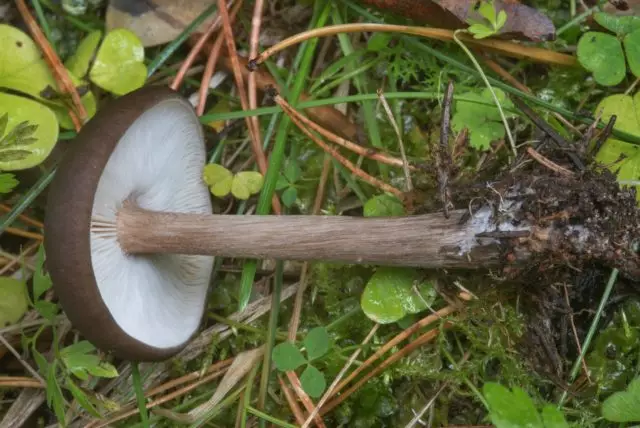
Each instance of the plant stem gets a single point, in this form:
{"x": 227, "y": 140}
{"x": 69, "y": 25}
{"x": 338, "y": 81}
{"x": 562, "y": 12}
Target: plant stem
{"x": 486, "y": 82}
{"x": 269, "y": 418}
{"x": 137, "y": 386}
{"x": 591, "y": 333}
{"x": 271, "y": 335}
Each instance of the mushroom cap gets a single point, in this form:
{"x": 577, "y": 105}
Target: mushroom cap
{"x": 146, "y": 147}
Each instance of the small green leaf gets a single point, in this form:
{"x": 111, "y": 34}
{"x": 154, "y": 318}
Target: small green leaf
{"x": 553, "y": 418}
{"x": 14, "y": 300}
{"x": 502, "y": 19}
{"x": 246, "y": 183}
{"x": 43, "y": 365}
{"x": 79, "y": 62}
{"x": 316, "y": 343}
{"x": 620, "y": 25}
{"x": 480, "y": 31}
{"x": 292, "y": 172}
{"x": 62, "y": 110}
{"x": 602, "y": 55}
{"x": 623, "y": 406}
{"x": 631, "y": 44}
{"x": 21, "y": 151}
{"x": 488, "y": 11}
{"x": 510, "y": 409}
{"x": 81, "y": 347}
{"x": 394, "y": 292}
{"x": 79, "y": 362}
{"x": 82, "y": 398}
{"x": 379, "y": 41}
{"x": 627, "y": 111}
{"x": 8, "y": 182}
{"x": 313, "y": 381}
{"x": 218, "y": 178}
{"x": 119, "y": 66}
{"x": 47, "y": 309}
{"x": 22, "y": 67}
{"x": 55, "y": 399}
{"x": 282, "y": 182}
{"x": 384, "y": 206}
{"x": 290, "y": 196}
{"x": 41, "y": 280}
{"x": 477, "y": 112}
{"x": 286, "y": 356}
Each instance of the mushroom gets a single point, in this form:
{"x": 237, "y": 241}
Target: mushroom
{"x": 131, "y": 237}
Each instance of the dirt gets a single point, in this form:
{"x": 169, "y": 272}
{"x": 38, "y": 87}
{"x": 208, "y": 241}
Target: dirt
{"x": 583, "y": 226}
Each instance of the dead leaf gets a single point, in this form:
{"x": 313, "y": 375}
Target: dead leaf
{"x": 156, "y": 21}
{"x": 523, "y": 22}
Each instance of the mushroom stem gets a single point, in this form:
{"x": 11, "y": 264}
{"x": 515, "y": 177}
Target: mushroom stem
{"x": 429, "y": 240}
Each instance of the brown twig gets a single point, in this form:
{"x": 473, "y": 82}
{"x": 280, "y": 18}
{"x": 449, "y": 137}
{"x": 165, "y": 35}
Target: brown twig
{"x": 194, "y": 376}
{"x": 421, "y": 340}
{"x": 327, "y": 116}
{"x": 123, "y": 414}
{"x": 214, "y": 54}
{"x": 548, "y": 163}
{"x": 261, "y": 159}
{"x": 370, "y": 153}
{"x": 504, "y": 73}
{"x": 212, "y": 59}
{"x": 26, "y": 365}
{"x": 293, "y": 404}
{"x": 396, "y": 340}
{"x": 575, "y": 333}
{"x": 306, "y": 401}
{"x": 22, "y": 255}
{"x": 20, "y": 382}
{"x": 329, "y": 392}
{"x": 24, "y": 234}
{"x": 500, "y": 46}
{"x": 344, "y": 161}
{"x": 59, "y": 71}
{"x": 193, "y": 53}
{"x": 23, "y": 217}
{"x": 542, "y": 125}
{"x": 253, "y": 51}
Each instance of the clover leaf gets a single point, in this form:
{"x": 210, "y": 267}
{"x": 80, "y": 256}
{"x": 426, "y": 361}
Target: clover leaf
{"x": 604, "y": 54}
{"x": 22, "y": 68}
{"x": 316, "y": 343}
{"x": 621, "y": 157}
{"x": 394, "y": 292}
{"x": 287, "y": 356}
{"x": 246, "y": 183}
{"x": 119, "y": 64}
{"x": 80, "y": 61}
{"x": 287, "y": 181}
{"x": 221, "y": 181}
{"x": 313, "y": 381}
{"x": 218, "y": 178}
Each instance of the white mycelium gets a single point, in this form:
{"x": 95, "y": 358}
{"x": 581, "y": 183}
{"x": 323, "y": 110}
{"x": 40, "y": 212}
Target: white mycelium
{"x": 156, "y": 299}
